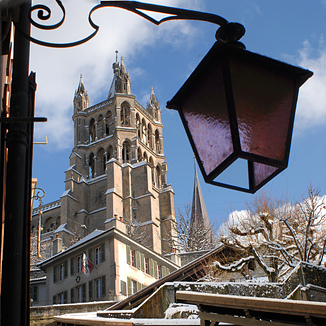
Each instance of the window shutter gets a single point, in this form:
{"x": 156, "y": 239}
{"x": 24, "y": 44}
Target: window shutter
{"x": 138, "y": 259}
{"x": 142, "y": 262}
{"x": 65, "y": 264}
{"x": 103, "y": 286}
{"x": 72, "y": 267}
{"x": 128, "y": 255}
{"x": 54, "y": 299}
{"x": 129, "y": 286}
{"x": 84, "y": 292}
{"x": 138, "y": 286}
{"x": 155, "y": 268}
{"x": 90, "y": 291}
{"x": 102, "y": 252}
{"x": 163, "y": 270}
{"x": 65, "y": 297}
{"x": 72, "y": 295}
{"x": 90, "y": 251}
{"x": 167, "y": 271}
{"x": 55, "y": 272}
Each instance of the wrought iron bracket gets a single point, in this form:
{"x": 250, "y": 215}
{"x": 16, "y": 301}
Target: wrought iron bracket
{"x": 228, "y": 32}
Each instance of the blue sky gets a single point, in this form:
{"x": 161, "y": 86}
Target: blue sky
{"x": 163, "y": 57}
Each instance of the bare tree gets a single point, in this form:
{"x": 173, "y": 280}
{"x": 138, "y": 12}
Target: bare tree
{"x": 278, "y": 236}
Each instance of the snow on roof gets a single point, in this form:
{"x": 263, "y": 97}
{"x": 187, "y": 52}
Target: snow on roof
{"x": 88, "y": 237}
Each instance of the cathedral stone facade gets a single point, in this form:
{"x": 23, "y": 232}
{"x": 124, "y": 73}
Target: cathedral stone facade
{"x": 117, "y": 169}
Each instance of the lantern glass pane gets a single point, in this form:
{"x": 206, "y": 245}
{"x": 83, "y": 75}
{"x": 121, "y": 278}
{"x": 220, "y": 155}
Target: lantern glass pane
{"x": 264, "y": 100}
{"x": 206, "y": 114}
{"x": 262, "y": 172}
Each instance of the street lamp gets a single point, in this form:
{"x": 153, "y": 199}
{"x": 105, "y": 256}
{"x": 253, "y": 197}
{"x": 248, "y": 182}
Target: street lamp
{"x": 236, "y": 105}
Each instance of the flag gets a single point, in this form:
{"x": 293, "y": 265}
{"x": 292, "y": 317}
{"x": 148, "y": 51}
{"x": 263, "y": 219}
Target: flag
{"x": 87, "y": 266}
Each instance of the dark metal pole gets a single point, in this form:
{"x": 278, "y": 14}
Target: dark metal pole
{"x": 15, "y": 270}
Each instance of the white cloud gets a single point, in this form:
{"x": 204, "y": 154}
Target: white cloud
{"x": 58, "y": 70}
{"x": 311, "y": 110}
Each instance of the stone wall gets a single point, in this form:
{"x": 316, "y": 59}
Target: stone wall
{"x": 43, "y": 316}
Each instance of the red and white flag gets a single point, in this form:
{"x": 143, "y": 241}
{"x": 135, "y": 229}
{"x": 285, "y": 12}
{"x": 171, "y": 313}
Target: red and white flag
{"x": 87, "y": 266}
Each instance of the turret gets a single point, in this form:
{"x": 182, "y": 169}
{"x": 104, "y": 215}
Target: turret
{"x": 81, "y": 101}
{"x": 153, "y": 107}
{"x": 121, "y": 81}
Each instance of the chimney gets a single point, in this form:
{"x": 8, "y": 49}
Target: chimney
{"x": 57, "y": 245}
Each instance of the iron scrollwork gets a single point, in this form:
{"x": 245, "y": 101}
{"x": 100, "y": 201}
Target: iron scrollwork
{"x": 44, "y": 14}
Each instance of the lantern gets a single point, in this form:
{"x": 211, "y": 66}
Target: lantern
{"x": 240, "y": 105}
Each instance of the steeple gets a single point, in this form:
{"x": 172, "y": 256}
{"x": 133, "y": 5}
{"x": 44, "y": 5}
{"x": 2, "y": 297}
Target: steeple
{"x": 81, "y": 100}
{"x": 121, "y": 80}
{"x": 153, "y": 107}
{"x": 199, "y": 217}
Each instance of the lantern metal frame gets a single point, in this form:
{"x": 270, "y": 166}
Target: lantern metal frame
{"x": 221, "y": 51}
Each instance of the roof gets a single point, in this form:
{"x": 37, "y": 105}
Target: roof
{"x": 98, "y": 235}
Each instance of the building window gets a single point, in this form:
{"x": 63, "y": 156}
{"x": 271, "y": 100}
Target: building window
{"x": 133, "y": 286}
{"x": 159, "y": 274}
{"x": 97, "y": 255}
{"x": 34, "y": 293}
{"x": 62, "y": 298}
{"x": 79, "y": 264}
{"x": 100, "y": 287}
{"x": 146, "y": 261}
{"x": 61, "y": 271}
{"x": 133, "y": 258}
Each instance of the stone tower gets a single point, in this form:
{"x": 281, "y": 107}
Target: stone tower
{"x": 117, "y": 166}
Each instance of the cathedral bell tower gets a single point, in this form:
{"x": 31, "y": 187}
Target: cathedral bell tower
{"x": 117, "y": 166}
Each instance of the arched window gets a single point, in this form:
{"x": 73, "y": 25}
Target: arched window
{"x": 109, "y": 152}
{"x": 145, "y": 157}
{"x": 92, "y": 133}
{"x": 158, "y": 177}
{"x": 108, "y": 123}
{"x": 157, "y": 142}
{"x": 100, "y": 162}
{"x": 149, "y": 136}
{"x": 151, "y": 164}
{"x": 138, "y": 126}
{"x": 139, "y": 155}
{"x": 100, "y": 127}
{"x": 126, "y": 153}
{"x": 125, "y": 114}
{"x": 91, "y": 166}
{"x": 143, "y": 132}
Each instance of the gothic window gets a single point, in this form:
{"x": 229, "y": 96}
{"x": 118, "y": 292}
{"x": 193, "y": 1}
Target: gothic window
{"x": 109, "y": 153}
{"x": 143, "y": 132}
{"x": 157, "y": 142}
{"x": 151, "y": 164}
{"x": 158, "y": 180}
{"x": 149, "y": 136}
{"x": 145, "y": 157}
{"x": 126, "y": 154}
{"x": 125, "y": 114}
{"x": 100, "y": 162}
{"x": 92, "y": 133}
{"x": 139, "y": 155}
{"x": 100, "y": 127}
{"x": 138, "y": 126}
{"x": 91, "y": 165}
{"x": 108, "y": 123}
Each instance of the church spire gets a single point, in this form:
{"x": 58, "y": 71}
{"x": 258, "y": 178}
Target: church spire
{"x": 121, "y": 80}
{"x": 153, "y": 107}
{"x": 199, "y": 217}
{"x": 81, "y": 100}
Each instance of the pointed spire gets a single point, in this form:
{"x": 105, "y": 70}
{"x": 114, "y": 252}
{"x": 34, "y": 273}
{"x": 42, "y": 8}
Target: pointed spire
{"x": 121, "y": 80}
{"x": 199, "y": 217}
{"x": 81, "y": 86}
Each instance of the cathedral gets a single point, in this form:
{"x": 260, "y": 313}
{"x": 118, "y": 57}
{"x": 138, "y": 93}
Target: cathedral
{"x": 117, "y": 170}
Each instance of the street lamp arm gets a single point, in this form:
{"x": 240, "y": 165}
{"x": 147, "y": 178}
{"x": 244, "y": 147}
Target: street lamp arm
{"x": 228, "y": 32}
{"x": 177, "y": 13}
